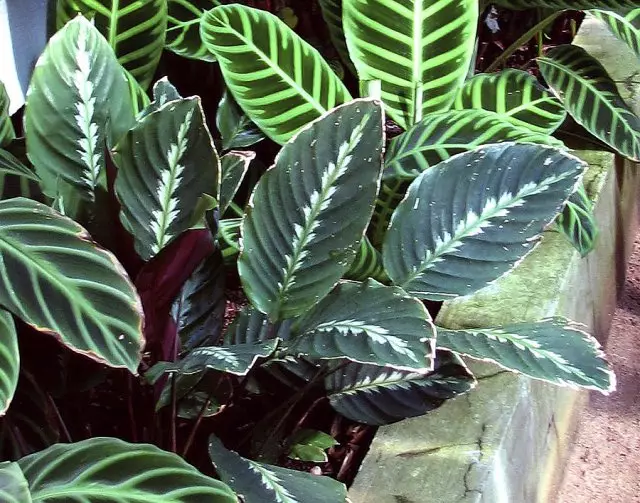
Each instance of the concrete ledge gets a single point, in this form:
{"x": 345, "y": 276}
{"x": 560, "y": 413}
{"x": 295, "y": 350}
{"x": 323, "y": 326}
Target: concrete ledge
{"x": 507, "y": 441}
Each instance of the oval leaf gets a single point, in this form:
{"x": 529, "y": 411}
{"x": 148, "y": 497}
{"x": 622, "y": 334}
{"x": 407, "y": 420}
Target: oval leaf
{"x": 110, "y": 470}
{"x": 183, "y": 28}
{"x": 592, "y": 98}
{"x": 302, "y": 227}
{"x": 470, "y": 219}
{"x": 555, "y": 350}
{"x": 367, "y": 323}
{"x": 251, "y": 326}
{"x": 13, "y": 486}
{"x": 380, "y": 395}
{"x": 420, "y": 50}
{"x": 9, "y": 360}
{"x": 57, "y": 280}
{"x": 296, "y": 85}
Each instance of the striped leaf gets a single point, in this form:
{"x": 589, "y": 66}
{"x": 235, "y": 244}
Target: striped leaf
{"x": 57, "y": 280}
{"x": 302, "y": 228}
{"x": 135, "y": 30}
{"x": 112, "y": 471}
{"x": 234, "y": 166}
{"x": 9, "y": 361}
{"x": 440, "y": 135}
{"x": 391, "y": 192}
{"x": 420, "y": 50}
{"x": 381, "y": 395}
{"x": 555, "y": 350}
{"x": 615, "y": 5}
{"x": 235, "y": 127}
{"x": 251, "y": 327}
{"x": 7, "y": 133}
{"x": 11, "y": 165}
{"x": 290, "y": 84}
{"x": 183, "y": 28}
{"x": 623, "y": 24}
{"x": 159, "y": 183}
{"x": 14, "y": 488}
{"x": 332, "y": 15}
{"x": 470, "y": 219}
{"x": 367, "y": 323}
{"x": 592, "y": 98}
{"x": 229, "y": 238}
{"x": 516, "y": 96}
{"x": 139, "y": 98}
{"x": 578, "y": 223}
{"x": 263, "y": 483}
{"x": 367, "y": 264}
{"x": 77, "y": 88}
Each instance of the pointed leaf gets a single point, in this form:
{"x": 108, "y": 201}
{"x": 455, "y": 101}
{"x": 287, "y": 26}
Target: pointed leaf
{"x": 135, "y": 30}
{"x": 302, "y": 227}
{"x": 183, "y": 28}
{"x": 234, "y": 166}
{"x": 332, "y": 15}
{"x": 578, "y": 223}
{"x": 470, "y": 219}
{"x": 77, "y": 89}
{"x": 380, "y": 395}
{"x": 262, "y": 483}
{"x": 9, "y": 361}
{"x": 13, "y": 486}
{"x": 296, "y": 85}
{"x": 57, "y": 280}
{"x": 592, "y": 98}
{"x": 420, "y": 50}
{"x": 7, "y": 133}
{"x": 624, "y": 24}
{"x": 163, "y": 93}
{"x": 235, "y": 127}
{"x": 438, "y": 136}
{"x": 11, "y": 165}
{"x": 367, "y": 323}
{"x": 555, "y": 350}
{"x": 110, "y": 470}
{"x": 159, "y": 184}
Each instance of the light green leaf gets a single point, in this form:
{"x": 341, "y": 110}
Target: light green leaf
{"x": 235, "y": 127}
{"x": 555, "y": 350}
{"x": 516, "y": 96}
{"x": 77, "y": 89}
{"x": 292, "y": 84}
{"x": 310, "y": 445}
{"x": 13, "y": 486}
{"x": 624, "y": 24}
{"x": 183, "y": 28}
{"x": 380, "y": 395}
{"x": 578, "y": 223}
{"x": 470, "y": 219}
{"x": 615, "y": 5}
{"x": 57, "y": 280}
{"x": 332, "y": 15}
{"x": 234, "y": 166}
{"x": 263, "y": 483}
{"x": 591, "y": 97}
{"x": 135, "y": 30}
{"x": 420, "y": 50}
{"x": 139, "y": 98}
{"x": 112, "y": 471}
{"x": 9, "y": 361}
{"x": 159, "y": 184}
{"x": 303, "y": 226}
{"x": 229, "y": 238}
{"x": 7, "y": 133}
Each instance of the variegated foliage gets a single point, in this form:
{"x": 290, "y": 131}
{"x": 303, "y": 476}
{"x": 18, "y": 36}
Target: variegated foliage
{"x": 183, "y": 28}
{"x": 9, "y": 361}
{"x": 302, "y": 228}
{"x": 7, "y": 132}
{"x": 578, "y": 222}
{"x": 420, "y": 50}
{"x": 624, "y": 24}
{"x": 332, "y": 15}
{"x": 614, "y": 5}
{"x": 78, "y": 97}
{"x": 296, "y": 86}
{"x": 135, "y": 30}
{"x": 234, "y": 166}
{"x": 236, "y": 129}
{"x": 160, "y": 184}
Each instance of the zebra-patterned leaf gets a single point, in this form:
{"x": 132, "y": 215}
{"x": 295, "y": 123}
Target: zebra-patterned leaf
{"x": 9, "y": 361}
{"x": 263, "y": 483}
{"x": 470, "y": 219}
{"x": 14, "y": 487}
{"x": 234, "y": 166}
{"x": 183, "y": 28}
{"x": 367, "y": 323}
{"x": 391, "y": 192}
{"x": 77, "y": 88}
{"x": 380, "y": 395}
{"x": 615, "y": 5}
{"x": 367, "y": 264}
{"x": 135, "y": 30}
{"x": 229, "y": 238}
{"x": 555, "y": 350}
{"x": 623, "y": 24}
{"x": 139, "y": 98}
{"x": 159, "y": 183}
{"x": 7, "y": 133}
{"x": 290, "y": 84}
{"x": 332, "y": 14}
{"x": 578, "y": 223}
{"x": 235, "y": 127}
{"x": 57, "y": 280}
{"x": 112, "y": 471}
{"x": 592, "y": 98}
{"x": 420, "y": 50}
{"x": 440, "y": 135}
{"x": 302, "y": 227}
{"x": 516, "y": 96}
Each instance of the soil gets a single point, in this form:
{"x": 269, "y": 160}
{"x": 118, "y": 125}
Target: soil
{"x": 605, "y": 463}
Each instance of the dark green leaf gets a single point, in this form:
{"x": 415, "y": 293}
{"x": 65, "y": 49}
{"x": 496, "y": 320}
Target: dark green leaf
{"x": 235, "y": 127}
{"x": 7, "y": 133}
{"x": 183, "y": 28}
{"x": 13, "y": 486}
{"x": 578, "y": 223}
{"x": 9, "y": 360}
{"x": 234, "y": 166}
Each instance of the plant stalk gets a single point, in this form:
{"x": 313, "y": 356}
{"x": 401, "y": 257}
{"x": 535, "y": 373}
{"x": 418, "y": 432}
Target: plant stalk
{"x": 173, "y": 413}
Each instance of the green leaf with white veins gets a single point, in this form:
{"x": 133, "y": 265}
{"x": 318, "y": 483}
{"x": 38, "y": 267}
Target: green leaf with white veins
{"x": 367, "y": 323}
{"x": 555, "y": 350}
{"x": 263, "y": 483}
{"x": 303, "y": 227}
{"x": 470, "y": 219}
{"x": 234, "y": 166}
{"x": 163, "y": 93}
{"x": 14, "y": 488}
{"x": 159, "y": 183}
{"x": 76, "y": 91}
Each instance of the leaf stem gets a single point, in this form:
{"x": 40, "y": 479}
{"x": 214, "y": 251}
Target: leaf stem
{"x": 192, "y": 434}
{"x": 173, "y": 412}
{"x": 63, "y": 426}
